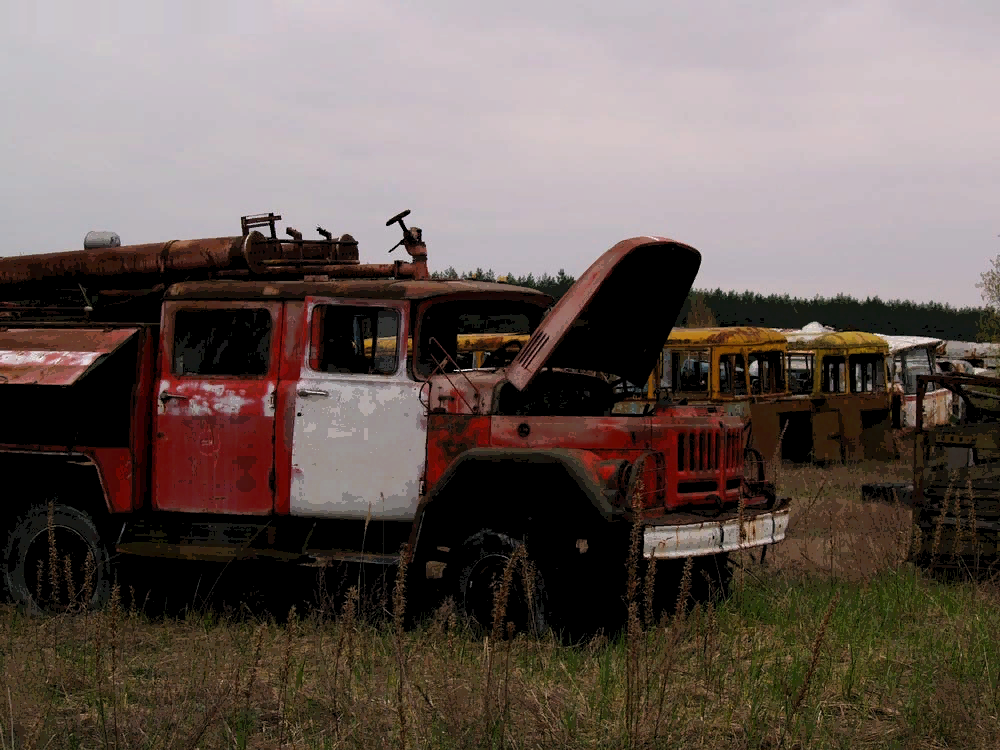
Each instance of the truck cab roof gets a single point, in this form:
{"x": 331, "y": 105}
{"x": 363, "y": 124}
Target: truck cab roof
{"x": 388, "y": 289}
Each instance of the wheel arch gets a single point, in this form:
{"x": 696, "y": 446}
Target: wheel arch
{"x": 514, "y": 490}
{"x": 73, "y": 477}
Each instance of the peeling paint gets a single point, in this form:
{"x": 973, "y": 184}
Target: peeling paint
{"x": 364, "y": 442}
{"x": 54, "y": 356}
{"x": 713, "y": 537}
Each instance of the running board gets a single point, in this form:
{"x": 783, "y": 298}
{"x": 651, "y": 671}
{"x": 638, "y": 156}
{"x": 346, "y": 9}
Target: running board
{"x": 322, "y": 558}
{"x": 218, "y": 539}
{"x": 206, "y": 552}
{"x": 224, "y": 553}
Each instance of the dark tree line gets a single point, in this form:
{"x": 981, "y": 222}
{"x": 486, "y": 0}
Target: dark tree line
{"x": 843, "y": 312}
{"x": 873, "y": 314}
{"x": 554, "y": 285}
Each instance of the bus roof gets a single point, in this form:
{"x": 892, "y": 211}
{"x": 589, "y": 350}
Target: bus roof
{"x": 726, "y": 336}
{"x": 802, "y": 341}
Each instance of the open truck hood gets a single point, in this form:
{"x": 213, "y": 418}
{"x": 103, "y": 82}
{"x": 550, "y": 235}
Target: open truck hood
{"x": 617, "y": 316}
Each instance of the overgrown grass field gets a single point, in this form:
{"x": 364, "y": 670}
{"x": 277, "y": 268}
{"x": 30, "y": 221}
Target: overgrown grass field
{"x": 832, "y": 642}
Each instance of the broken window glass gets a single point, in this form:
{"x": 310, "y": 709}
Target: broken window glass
{"x": 766, "y": 373}
{"x": 800, "y": 373}
{"x": 916, "y": 362}
{"x": 354, "y": 340}
{"x": 732, "y": 375}
{"x": 222, "y": 342}
{"x": 690, "y": 370}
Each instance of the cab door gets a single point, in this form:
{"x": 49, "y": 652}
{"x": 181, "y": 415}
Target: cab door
{"x": 213, "y": 447}
{"x": 360, "y": 436}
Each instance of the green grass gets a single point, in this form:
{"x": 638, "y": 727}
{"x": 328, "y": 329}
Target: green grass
{"x": 853, "y": 649}
{"x": 903, "y": 661}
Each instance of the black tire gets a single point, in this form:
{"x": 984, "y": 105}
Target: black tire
{"x": 27, "y": 543}
{"x": 479, "y": 567}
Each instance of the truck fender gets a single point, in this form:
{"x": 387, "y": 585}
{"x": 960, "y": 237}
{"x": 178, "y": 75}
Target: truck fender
{"x": 66, "y": 472}
{"x": 577, "y": 493}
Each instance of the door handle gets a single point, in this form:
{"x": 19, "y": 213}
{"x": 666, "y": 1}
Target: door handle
{"x": 312, "y": 392}
{"x": 166, "y": 396}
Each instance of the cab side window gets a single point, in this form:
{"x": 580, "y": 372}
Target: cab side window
{"x": 354, "y": 340}
{"x": 222, "y": 342}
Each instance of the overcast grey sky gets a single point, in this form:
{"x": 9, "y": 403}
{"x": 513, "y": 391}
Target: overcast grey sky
{"x": 803, "y": 147}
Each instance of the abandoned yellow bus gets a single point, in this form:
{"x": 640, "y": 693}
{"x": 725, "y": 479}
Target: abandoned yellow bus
{"x": 740, "y": 369}
{"x": 815, "y": 395}
{"x": 843, "y": 377}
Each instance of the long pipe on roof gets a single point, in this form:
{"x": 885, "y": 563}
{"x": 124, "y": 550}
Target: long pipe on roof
{"x": 252, "y": 253}
{"x": 159, "y": 258}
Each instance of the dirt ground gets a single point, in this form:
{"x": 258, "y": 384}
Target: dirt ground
{"x": 831, "y": 531}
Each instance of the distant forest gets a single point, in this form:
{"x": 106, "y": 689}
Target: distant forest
{"x": 892, "y": 317}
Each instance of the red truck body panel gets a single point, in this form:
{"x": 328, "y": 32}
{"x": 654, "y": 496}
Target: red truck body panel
{"x": 219, "y": 430}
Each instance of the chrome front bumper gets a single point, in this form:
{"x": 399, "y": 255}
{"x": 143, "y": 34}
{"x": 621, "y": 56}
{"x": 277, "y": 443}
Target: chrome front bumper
{"x": 714, "y": 537}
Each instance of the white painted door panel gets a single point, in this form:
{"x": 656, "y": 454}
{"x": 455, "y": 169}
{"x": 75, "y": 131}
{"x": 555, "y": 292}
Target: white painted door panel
{"x": 359, "y": 445}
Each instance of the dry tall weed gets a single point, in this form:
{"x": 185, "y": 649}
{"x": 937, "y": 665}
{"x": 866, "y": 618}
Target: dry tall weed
{"x": 813, "y": 663}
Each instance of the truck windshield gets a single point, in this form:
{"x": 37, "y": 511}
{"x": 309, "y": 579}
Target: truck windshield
{"x": 444, "y": 322}
{"x": 916, "y": 362}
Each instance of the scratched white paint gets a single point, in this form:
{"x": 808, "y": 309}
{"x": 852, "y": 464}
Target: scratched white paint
{"x": 362, "y": 446}
{"x": 269, "y": 399}
{"x": 205, "y": 399}
{"x": 31, "y": 357}
{"x": 197, "y": 407}
{"x": 230, "y": 403}
{"x": 937, "y": 408}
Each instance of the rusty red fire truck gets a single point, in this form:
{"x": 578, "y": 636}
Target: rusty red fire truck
{"x": 234, "y": 398}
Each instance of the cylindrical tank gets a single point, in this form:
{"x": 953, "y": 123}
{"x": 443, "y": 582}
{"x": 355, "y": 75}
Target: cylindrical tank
{"x": 95, "y": 240}
{"x": 154, "y": 260}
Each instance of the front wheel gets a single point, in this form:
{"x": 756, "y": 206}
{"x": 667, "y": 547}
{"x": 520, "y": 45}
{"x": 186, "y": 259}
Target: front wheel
{"x": 45, "y": 562}
{"x": 480, "y": 568}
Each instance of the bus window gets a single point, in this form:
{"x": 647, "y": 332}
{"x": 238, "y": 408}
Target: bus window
{"x": 732, "y": 374}
{"x": 834, "y": 375}
{"x": 800, "y": 373}
{"x": 766, "y": 373}
{"x": 867, "y": 373}
{"x": 690, "y": 370}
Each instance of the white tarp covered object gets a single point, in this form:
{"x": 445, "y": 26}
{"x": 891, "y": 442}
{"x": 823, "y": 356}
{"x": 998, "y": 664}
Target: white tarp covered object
{"x": 910, "y": 356}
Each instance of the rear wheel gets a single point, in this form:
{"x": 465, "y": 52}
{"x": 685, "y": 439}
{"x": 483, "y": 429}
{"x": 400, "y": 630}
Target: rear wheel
{"x": 45, "y": 564}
